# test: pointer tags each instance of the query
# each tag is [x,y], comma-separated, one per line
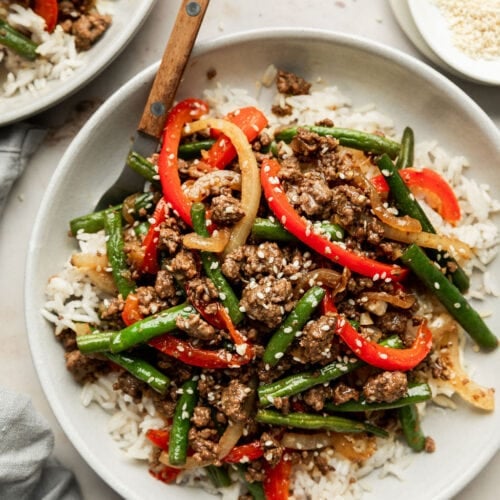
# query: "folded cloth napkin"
[27,469]
[17,143]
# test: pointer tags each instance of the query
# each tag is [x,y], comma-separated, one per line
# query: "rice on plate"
[334,466]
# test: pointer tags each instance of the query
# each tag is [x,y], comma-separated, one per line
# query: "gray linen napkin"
[17,143]
[27,470]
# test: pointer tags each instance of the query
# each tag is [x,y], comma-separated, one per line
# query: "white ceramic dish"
[128,16]
[402,87]
[433,27]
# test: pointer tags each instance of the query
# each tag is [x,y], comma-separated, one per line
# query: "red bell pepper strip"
[150,243]
[131,313]
[327,305]
[277,480]
[429,185]
[244,453]
[386,358]
[168,162]
[190,355]
[250,120]
[302,229]
[49,11]
[160,437]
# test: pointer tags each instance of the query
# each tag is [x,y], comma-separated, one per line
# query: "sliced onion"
[96,268]
[215,243]
[250,179]
[230,438]
[404,223]
[191,463]
[448,349]
[323,276]
[203,186]
[454,246]
[404,301]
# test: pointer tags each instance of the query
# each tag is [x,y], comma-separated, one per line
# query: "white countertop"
[370,18]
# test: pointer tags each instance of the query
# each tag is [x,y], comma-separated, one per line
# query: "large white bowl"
[405,89]
[128,16]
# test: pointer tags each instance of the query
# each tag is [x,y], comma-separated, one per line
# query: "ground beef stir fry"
[263,353]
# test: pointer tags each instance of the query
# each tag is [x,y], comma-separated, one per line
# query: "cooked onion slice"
[191,463]
[230,438]
[96,268]
[454,246]
[404,301]
[204,186]
[323,276]
[215,243]
[250,181]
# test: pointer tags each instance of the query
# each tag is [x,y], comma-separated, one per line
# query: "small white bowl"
[402,87]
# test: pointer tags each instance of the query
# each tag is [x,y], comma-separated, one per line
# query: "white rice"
[58,58]
[72,298]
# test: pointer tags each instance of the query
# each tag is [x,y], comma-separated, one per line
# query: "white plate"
[433,26]
[404,88]
[128,16]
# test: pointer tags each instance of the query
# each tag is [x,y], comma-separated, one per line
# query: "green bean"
[407,204]
[300,382]
[94,342]
[17,42]
[410,425]
[449,295]
[347,137]
[211,266]
[405,156]
[284,335]
[184,408]
[142,166]
[190,150]
[93,222]
[416,394]
[219,476]
[272,230]
[148,328]
[142,370]
[116,255]
[142,228]
[312,421]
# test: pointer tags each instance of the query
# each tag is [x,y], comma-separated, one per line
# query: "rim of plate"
[203,47]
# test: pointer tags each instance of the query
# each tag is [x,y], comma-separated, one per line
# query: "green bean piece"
[407,205]
[313,421]
[94,342]
[272,230]
[93,222]
[284,335]
[350,138]
[142,166]
[211,266]
[410,424]
[219,476]
[405,156]
[116,255]
[255,489]
[142,228]
[416,394]
[184,408]
[142,370]
[190,150]
[148,328]
[300,382]
[449,295]
[17,42]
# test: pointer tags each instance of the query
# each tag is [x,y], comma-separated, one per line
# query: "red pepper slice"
[160,438]
[429,185]
[386,358]
[131,313]
[168,162]
[250,120]
[166,474]
[150,243]
[244,453]
[49,10]
[277,480]
[302,229]
[327,304]
[184,351]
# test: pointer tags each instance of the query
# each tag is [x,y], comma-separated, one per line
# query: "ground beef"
[165,288]
[316,344]
[291,84]
[202,290]
[169,236]
[273,450]
[232,401]
[202,417]
[267,300]
[343,393]
[68,339]
[386,387]
[195,327]
[184,266]
[307,144]
[317,396]
[130,385]
[84,368]
[204,443]
[393,322]
[149,302]
[225,210]
[87,29]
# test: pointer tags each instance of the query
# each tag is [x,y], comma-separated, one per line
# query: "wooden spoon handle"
[173,63]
